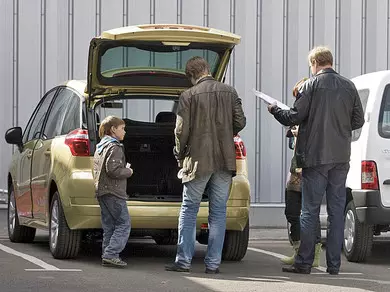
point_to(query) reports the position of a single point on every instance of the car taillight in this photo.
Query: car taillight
(240, 148)
(78, 142)
(369, 176)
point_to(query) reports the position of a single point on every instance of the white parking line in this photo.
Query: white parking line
(34, 260)
(280, 256)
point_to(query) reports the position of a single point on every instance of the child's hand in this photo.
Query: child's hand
(128, 165)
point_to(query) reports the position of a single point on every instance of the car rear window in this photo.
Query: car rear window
(153, 63)
(384, 115)
(363, 94)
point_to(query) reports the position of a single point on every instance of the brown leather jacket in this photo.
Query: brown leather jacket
(209, 115)
(110, 173)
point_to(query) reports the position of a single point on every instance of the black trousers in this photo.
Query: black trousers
(292, 212)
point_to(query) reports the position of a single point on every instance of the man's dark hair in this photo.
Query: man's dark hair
(196, 67)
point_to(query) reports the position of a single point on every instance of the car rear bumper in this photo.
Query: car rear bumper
(151, 217)
(369, 208)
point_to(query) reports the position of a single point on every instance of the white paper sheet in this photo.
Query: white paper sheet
(269, 100)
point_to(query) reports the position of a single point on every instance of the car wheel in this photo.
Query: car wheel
(17, 232)
(236, 244)
(64, 242)
(358, 237)
(166, 240)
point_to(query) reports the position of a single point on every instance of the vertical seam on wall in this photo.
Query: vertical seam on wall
(43, 49)
(152, 19)
(125, 22)
(98, 17)
(363, 36)
(206, 19)
(15, 86)
(233, 30)
(284, 89)
(337, 35)
(70, 37)
(259, 6)
(311, 27)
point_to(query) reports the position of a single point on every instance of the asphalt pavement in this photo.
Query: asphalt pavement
(30, 267)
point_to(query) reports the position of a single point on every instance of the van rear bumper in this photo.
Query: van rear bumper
(369, 208)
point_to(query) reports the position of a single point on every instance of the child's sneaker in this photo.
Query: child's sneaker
(115, 262)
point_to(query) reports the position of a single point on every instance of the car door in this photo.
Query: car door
(379, 148)
(23, 185)
(42, 159)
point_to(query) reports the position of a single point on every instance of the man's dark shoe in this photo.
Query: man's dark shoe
(176, 268)
(209, 271)
(296, 270)
(332, 271)
(115, 262)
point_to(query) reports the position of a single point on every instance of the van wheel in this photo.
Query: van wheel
(64, 242)
(236, 244)
(17, 232)
(358, 237)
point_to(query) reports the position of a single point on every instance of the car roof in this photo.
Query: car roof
(370, 80)
(77, 85)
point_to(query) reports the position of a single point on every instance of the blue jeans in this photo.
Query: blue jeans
(316, 180)
(116, 225)
(218, 186)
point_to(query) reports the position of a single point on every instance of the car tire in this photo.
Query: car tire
(358, 237)
(17, 232)
(64, 242)
(166, 240)
(203, 238)
(235, 244)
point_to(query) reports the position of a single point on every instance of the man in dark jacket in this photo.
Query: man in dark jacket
(208, 116)
(328, 110)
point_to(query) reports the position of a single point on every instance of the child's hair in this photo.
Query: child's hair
(298, 85)
(107, 123)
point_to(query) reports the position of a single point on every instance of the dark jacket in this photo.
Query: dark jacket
(209, 115)
(110, 172)
(328, 110)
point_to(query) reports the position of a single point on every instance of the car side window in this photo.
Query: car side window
(363, 94)
(384, 114)
(72, 116)
(38, 119)
(56, 116)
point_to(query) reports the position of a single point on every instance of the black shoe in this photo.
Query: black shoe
(176, 268)
(209, 271)
(296, 270)
(332, 272)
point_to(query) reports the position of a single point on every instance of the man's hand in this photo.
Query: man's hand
(271, 106)
(294, 131)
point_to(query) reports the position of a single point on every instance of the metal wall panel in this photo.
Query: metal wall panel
(46, 42)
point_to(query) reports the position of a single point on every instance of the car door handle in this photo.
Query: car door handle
(29, 154)
(386, 182)
(47, 152)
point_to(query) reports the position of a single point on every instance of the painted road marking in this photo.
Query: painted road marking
(45, 266)
(280, 256)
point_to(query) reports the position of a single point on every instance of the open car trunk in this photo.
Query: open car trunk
(148, 143)
(149, 149)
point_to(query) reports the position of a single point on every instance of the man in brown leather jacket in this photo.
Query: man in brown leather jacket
(209, 115)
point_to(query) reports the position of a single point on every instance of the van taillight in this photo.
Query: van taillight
(78, 142)
(240, 148)
(369, 176)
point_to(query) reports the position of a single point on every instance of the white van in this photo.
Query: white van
(368, 184)
(367, 211)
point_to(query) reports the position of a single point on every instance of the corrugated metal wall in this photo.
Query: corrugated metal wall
(44, 42)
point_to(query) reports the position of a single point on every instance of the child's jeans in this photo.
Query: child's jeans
(116, 225)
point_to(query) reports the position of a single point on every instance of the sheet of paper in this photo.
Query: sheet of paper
(269, 100)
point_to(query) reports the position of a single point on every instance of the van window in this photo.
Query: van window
(363, 94)
(384, 115)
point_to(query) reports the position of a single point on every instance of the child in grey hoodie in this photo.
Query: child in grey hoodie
(110, 175)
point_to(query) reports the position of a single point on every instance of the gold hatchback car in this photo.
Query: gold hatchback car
(136, 73)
